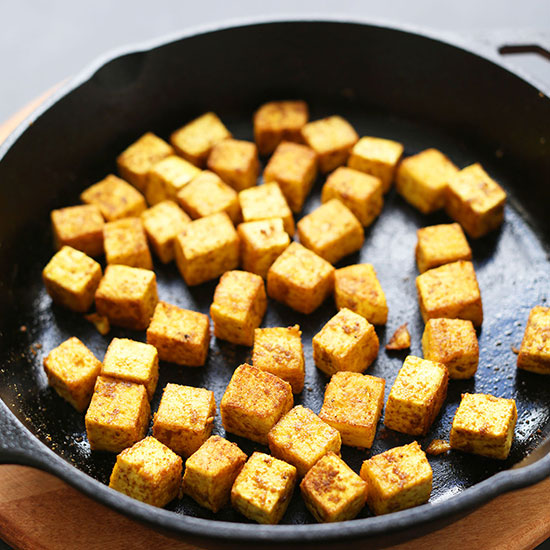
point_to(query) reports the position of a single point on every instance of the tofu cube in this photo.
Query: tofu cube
(416, 396)
(236, 162)
(206, 248)
(239, 306)
(377, 157)
(353, 405)
(79, 227)
(331, 231)
(300, 279)
(397, 479)
(184, 418)
(115, 198)
(484, 425)
(148, 471)
(126, 243)
(294, 168)
(279, 350)
(332, 491)
(475, 200)
(263, 489)
(118, 415)
(127, 296)
(71, 279)
(195, 140)
(162, 223)
(211, 471)
(452, 342)
(332, 138)
(534, 354)
(72, 370)
(359, 192)
(441, 244)
(181, 336)
(253, 403)
(400, 339)
(423, 178)
(450, 291)
(168, 177)
(132, 361)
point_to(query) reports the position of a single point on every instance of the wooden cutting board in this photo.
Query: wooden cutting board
(41, 512)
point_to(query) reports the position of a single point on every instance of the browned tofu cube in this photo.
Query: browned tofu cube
(181, 336)
(294, 168)
(452, 342)
(239, 306)
(126, 243)
(441, 244)
(450, 291)
(377, 157)
(397, 479)
(211, 471)
(79, 227)
(353, 405)
(72, 370)
(236, 162)
(263, 489)
(195, 140)
(184, 418)
(206, 248)
(475, 200)
(71, 279)
(118, 415)
(148, 471)
(416, 396)
(332, 138)
(300, 279)
(484, 425)
(331, 231)
(127, 296)
(400, 339)
(253, 403)
(534, 354)
(423, 178)
(332, 491)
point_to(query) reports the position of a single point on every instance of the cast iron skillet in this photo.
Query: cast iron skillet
(387, 82)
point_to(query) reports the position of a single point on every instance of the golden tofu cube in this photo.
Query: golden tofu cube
(195, 140)
(162, 223)
(236, 162)
(115, 198)
(126, 243)
(132, 361)
(534, 354)
(118, 415)
(361, 193)
(331, 231)
(484, 425)
(450, 291)
(441, 244)
(475, 200)
(239, 306)
(332, 491)
(416, 396)
(377, 157)
(184, 418)
(253, 403)
(71, 279)
(72, 370)
(148, 471)
(206, 248)
(332, 138)
(397, 479)
(263, 488)
(423, 178)
(300, 279)
(127, 296)
(353, 405)
(211, 471)
(135, 162)
(180, 335)
(294, 168)
(452, 342)
(400, 339)
(79, 227)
